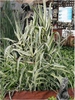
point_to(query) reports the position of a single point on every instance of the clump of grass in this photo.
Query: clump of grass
(31, 62)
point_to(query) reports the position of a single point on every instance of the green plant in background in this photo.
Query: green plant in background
(7, 20)
(68, 61)
(31, 62)
(53, 98)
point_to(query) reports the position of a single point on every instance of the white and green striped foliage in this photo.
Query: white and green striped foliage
(31, 62)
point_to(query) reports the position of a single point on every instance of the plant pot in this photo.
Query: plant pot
(71, 39)
(36, 95)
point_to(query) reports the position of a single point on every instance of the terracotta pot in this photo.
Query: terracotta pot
(71, 39)
(36, 95)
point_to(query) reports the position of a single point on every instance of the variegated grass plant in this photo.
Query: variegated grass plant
(32, 61)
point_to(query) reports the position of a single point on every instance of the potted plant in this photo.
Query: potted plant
(31, 62)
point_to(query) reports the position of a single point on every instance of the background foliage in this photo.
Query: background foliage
(6, 17)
